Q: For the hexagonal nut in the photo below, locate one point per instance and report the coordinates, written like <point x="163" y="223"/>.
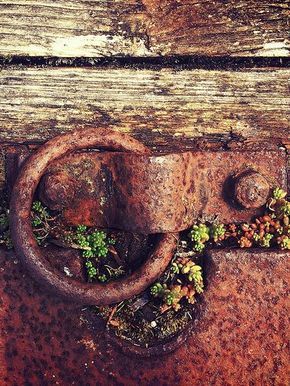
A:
<point x="251" y="190"/>
<point x="56" y="190"/>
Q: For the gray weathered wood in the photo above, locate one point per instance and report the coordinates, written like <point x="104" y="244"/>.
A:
<point x="37" y="103"/>
<point x="74" y="28"/>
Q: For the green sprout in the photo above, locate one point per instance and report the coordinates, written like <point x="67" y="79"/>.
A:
<point x="265" y="241"/>
<point x="279" y="194"/>
<point x="102" y="278"/>
<point x="284" y="242"/>
<point x="91" y="270"/>
<point x="94" y="245"/>
<point x="41" y="221"/>
<point x="157" y="289"/>
<point x="217" y="232"/>
<point x="195" y="275"/>
<point x="81" y="228"/>
<point x="175" y="268"/>
<point x="169" y="298"/>
<point x="186" y="283"/>
<point x="199" y="236"/>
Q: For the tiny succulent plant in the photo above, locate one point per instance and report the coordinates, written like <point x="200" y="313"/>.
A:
<point x="266" y="231"/>
<point x="186" y="282"/>
<point x="94" y="245"/>
<point x="279" y="194"/>
<point x="185" y="279"/>
<point x="217" y="232"/>
<point x="199" y="236"/>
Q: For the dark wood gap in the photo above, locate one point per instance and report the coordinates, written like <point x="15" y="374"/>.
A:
<point x="178" y="62"/>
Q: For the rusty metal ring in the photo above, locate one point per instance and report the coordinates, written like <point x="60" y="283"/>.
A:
<point x="26" y="246"/>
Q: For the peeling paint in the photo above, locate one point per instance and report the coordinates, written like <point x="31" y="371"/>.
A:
<point x="98" y="45"/>
<point x="274" y="49"/>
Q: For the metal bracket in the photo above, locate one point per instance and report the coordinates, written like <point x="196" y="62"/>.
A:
<point x="162" y="192"/>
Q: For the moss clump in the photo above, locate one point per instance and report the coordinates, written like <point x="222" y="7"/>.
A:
<point x="97" y="250"/>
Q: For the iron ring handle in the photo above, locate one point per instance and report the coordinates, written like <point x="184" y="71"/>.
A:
<point x="30" y="253"/>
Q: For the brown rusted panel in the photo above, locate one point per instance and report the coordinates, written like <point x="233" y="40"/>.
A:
<point x="162" y="193"/>
<point x="240" y="337"/>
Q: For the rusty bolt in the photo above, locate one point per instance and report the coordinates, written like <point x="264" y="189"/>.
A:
<point x="56" y="190"/>
<point x="251" y="190"/>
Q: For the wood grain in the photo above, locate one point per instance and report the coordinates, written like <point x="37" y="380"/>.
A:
<point x="75" y="28"/>
<point x="38" y="103"/>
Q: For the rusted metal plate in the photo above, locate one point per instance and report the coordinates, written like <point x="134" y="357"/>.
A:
<point x="162" y="192"/>
<point x="240" y="337"/>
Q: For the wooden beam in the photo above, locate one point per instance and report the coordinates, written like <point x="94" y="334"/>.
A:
<point x="144" y="28"/>
<point x="156" y="106"/>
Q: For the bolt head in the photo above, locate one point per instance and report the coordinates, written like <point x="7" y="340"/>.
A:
<point x="56" y="190"/>
<point x="251" y="190"/>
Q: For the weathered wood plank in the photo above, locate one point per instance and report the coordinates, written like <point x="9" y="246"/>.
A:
<point x="88" y="28"/>
<point x="37" y="103"/>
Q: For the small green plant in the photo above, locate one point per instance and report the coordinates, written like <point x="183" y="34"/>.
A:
<point x="199" y="236"/>
<point x="217" y="232"/>
<point x="102" y="278"/>
<point x="279" y="194"/>
<point x="284" y="242"/>
<point x="91" y="270"/>
<point x="156" y="289"/>
<point x="42" y="222"/>
<point x="264" y="241"/>
<point x="186" y="282"/>
<point x="95" y="246"/>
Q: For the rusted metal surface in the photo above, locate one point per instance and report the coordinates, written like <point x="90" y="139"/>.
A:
<point x="26" y="246"/>
<point x="239" y="338"/>
<point x="84" y="185"/>
<point x="135" y="191"/>
<point x="163" y="192"/>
